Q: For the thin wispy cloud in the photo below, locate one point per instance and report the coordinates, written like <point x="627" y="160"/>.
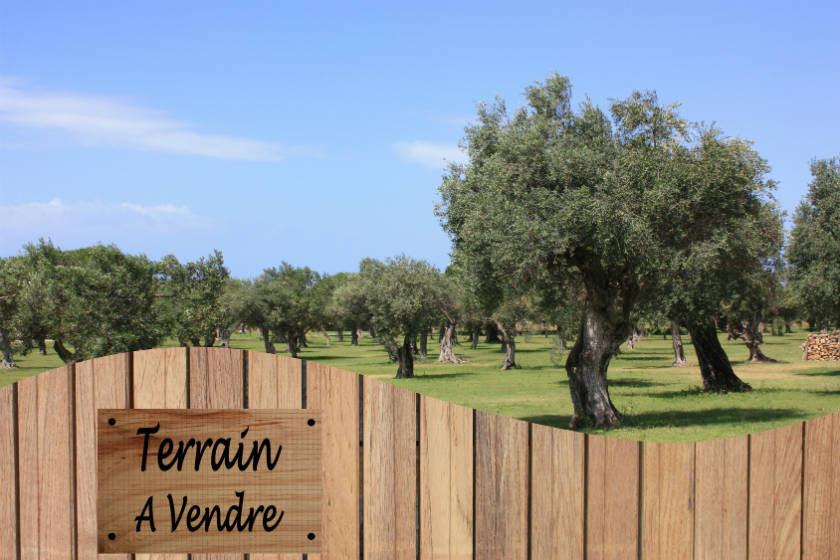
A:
<point x="102" y="121"/>
<point x="88" y="222"/>
<point x="429" y="154"/>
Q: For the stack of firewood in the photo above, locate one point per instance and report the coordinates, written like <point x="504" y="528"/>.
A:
<point x="822" y="346"/>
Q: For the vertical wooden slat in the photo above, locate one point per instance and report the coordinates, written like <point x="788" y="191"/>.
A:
<point x="8" y="507"/>
<point x="446" y="480"/>
<point x="720" y="529"/>
<point x="776" y="493"/>
<point x="46" y="465"/>
<point x="667" y="500"/>
<point x="160" y="381"/>
<point x="557" y="474"/>
<point x="336" y="394"/>
<point x="822" y="489"/>
<point x="274" y="382"/>
<point x="612" y="516"/>
<point x="100" y="383"/>
<point x="216" y="380"/>
<point x="501" y="487"/>
<point x="390" y="472"/>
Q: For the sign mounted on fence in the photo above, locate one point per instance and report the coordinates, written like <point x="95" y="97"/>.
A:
<point x="209" y="480"/>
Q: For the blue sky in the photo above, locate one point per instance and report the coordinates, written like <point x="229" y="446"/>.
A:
<point x="317" y="134"/>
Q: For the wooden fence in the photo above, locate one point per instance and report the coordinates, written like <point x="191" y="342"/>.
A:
<point x="407" y="476"/>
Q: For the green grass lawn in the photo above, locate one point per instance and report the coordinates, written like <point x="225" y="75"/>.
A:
<point x="659" y="402"/>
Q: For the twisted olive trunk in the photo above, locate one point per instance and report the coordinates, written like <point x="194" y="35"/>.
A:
<point x="750" y="333"/>
<point x="447" y="355"/>
<point x="715" y="368"/>
<point x="6" y="347"/>
<point x="676" y="339"/>
<point x="508" y="345"/>
<point x="406" y="359"/>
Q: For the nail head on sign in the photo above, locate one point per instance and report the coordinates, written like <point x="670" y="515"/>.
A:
<point x="311" y="422"/>
<point x="111" y="536"/>
<point x="111" y="421"/>
<point x="311" y="536"/>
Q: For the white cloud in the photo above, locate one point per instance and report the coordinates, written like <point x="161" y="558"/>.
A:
<point x="429" y="154"/>
<point x="74" y="224"/>
<point x="101" y="121"/>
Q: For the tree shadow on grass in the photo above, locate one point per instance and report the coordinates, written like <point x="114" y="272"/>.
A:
<point x="452" y="375"/>
<point x="819" y="373"/>
<point x="686" y="418"/>
<point x="698" y="391"/>
<point x="632" y="382"/>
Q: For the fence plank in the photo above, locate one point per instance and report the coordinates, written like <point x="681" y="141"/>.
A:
<point x="501" y="487"/>
<point x="446" y="480"/>
<point x="46" y="465"/>
<point x="100" y="383"/>
<point x="274" y="382"/>
<point x="667" y="500"/>
<point x="336" y="394"/>
<point x="612" y="516"/>
<point x="557" y="499"/>
<point x="775" y="493"/>
<point x="216" y="380"/>
<point x="721" y="496"/>
<point x="160" y="381"/>
<point x="390" y="472"/>
<point x="822" y="489"/>
<point x="8" y="507"/>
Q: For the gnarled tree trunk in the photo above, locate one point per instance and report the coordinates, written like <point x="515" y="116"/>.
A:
<point x="406" y="359"/>
<point x="601" y="332"/>
<point x="424" y="343"/>
<point x="715" y="368"/>
<point x="266" y="336"/>
<point x="354" y="336"/>
<point x="508" y="345"/>
<point x="42" y="346"/>
<point x="561" y="339"/>
<point x="6" y="347"/>
<point x="476" y="332"/>
<point x="340" y="333"/>
<point x="676" y="339"/>
<point x="326" y="336"/>
<point x="447" y="355"/>
<point x="66" y="356"/>
<point x="750" y="333"/>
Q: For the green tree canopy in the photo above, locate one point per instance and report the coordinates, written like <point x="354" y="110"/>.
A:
<point x="553" y="196"/>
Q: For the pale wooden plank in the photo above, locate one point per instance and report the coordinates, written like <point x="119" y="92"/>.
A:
<point x="160" y="381"/>
<point x="667" y="500"/>
<point x="8" y="456"/>
<point x="721" y="499"/>
<point x="160" y="378"/>
<point x="613" y="501"/>
<point x="775" y="493"/>
<point x="274" y="382"/>
<point x="557" y="498"/>
<point x="46" y="465"/>
<point x="100" y="383"/>
<point x="501" y="487"/>
<point x="446" y="480"/>
<point x="27" y="403"/>
<point x="216" y="380"/>
<point x="336" y="394"/>
<point x="821" y="464"/>
<point x="390" y="471"/>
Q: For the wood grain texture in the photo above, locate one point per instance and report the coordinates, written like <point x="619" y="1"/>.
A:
<point x="216" y="380"/>
<point x="160" y="381"/>
<point x="45" y="463"/>
<point x="274" y="382"/>
<point x="446" y="480"/>
<point x="557" y="493"/>
<point x="501" y="487"/>
<point x="100" y="383"/>
<point x="160" y="378"/>
<point x="8" y="455"/>
<point x="336" y="394"/>
<point x="390" y="472"/>
<point x="290" y="486"/>
<point x="612" y="482"/>
<point x="776" y="493"/>
<point x="667" y="500"/>
<point x="721" y="494"/>
<point x="821" y="522"/>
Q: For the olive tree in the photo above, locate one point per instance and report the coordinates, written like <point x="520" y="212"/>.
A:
<point x="553" y="195"/>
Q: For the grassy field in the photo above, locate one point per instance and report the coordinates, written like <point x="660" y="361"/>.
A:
<point x="659" y="402"/>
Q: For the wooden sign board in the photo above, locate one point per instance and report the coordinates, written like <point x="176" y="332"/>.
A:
<point x="209" y="480"/>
